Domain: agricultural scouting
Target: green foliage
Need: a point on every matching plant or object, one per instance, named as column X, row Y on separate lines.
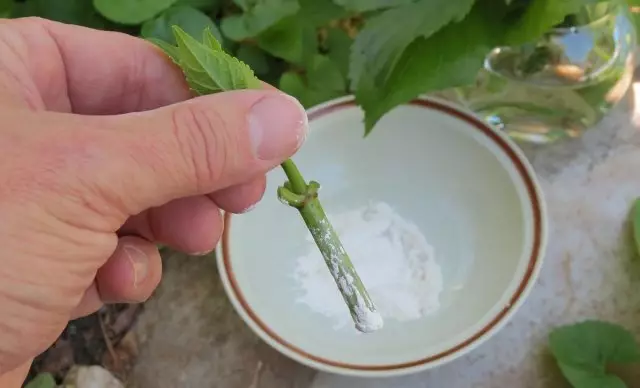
column 385, row 52
column 191, row 20
column 42, row 380
column 257, row 17
column 130, row 11
column 583, row 351
column 5, row 8
column 635, row 222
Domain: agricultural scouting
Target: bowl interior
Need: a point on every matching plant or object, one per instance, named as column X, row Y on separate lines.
column 458, row 185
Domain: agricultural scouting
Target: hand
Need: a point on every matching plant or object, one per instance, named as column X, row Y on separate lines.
column 87, row 187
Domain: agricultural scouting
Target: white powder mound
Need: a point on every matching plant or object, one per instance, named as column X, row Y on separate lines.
column 394, row 260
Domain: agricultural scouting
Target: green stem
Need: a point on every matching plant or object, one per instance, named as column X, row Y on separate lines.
column 304, row 197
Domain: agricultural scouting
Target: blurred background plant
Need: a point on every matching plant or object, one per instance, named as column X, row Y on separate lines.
column 385, row 52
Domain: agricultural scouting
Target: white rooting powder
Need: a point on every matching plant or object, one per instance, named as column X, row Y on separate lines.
column 395, row 262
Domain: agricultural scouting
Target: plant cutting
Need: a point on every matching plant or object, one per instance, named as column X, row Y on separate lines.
column 208, row 69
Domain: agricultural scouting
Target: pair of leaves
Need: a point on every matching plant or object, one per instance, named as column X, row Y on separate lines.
column 206, row 66
column 583, row 351
column 190, row 19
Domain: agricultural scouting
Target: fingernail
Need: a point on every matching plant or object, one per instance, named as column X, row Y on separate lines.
column 248, row 209
column 139, row 263
column 278, row 126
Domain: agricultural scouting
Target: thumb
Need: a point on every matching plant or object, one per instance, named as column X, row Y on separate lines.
column 198, row 146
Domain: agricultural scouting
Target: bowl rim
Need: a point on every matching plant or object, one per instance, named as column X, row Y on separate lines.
column 494, row 323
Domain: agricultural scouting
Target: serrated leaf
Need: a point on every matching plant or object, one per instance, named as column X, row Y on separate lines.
column 379, row 45
column 583, row 350
column 171, row 51
column 191, row 20
column 42, row 380
column 321, row 12
column 203, row 64
column 540, row 16
column 256, row 19
column 635, row 221
column 371, row 5
column 254, row 57
column 338, row 46
column 131, row 11
column 449, row 58
column 211, row 40
column 291, row 39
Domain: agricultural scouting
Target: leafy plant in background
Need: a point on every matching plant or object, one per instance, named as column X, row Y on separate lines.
column 385, row 52
column 42, row 380
column 584, row 350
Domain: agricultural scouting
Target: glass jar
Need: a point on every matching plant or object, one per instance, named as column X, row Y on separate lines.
column 561, row 85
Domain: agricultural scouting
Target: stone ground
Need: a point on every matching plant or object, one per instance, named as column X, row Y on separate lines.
column 190, row 336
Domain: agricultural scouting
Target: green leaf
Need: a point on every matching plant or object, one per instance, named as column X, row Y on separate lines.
column 581, row 378
column 292, row 39
column 323, row 81
column 372, row 5
column 207, row 67
column 583, row 350
column 451, row 57
column 5, row 8
column 540, row 16
column 338, row 46
column 245, row 4
column 191, row 20
column 254, row 58
column 42, row 380
column 257, row 18
column 78, row 12
column 323, row 73
column 635, row 220
column 131, row 11
column 205, row 5
column 321, row 12
column 379, row 45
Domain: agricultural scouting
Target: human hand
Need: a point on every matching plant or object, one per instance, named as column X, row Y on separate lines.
column 87, row 186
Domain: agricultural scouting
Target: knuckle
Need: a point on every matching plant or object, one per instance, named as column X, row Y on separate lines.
column 204, row 141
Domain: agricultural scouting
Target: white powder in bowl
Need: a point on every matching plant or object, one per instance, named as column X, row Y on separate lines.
column 394, row 260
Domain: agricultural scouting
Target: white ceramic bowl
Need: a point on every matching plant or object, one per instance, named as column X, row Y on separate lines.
column 466, row 186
